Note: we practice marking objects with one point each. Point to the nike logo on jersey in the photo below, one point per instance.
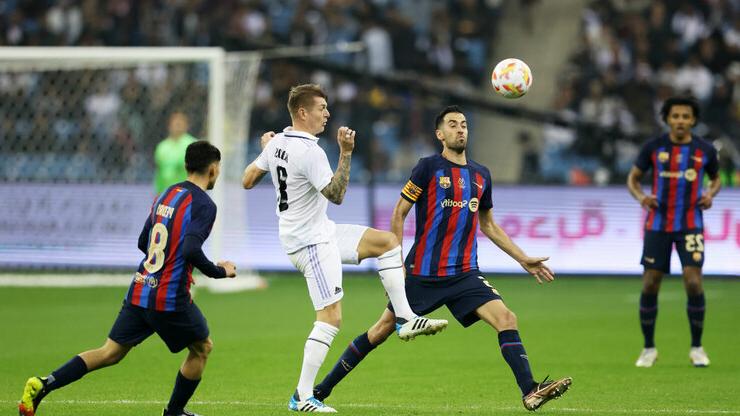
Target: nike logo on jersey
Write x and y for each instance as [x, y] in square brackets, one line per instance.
[479, 186]
[650, 259]
[337, 290]
[697, 159]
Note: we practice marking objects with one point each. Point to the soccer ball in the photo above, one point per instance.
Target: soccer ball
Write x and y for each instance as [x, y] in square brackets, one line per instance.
[511, 78]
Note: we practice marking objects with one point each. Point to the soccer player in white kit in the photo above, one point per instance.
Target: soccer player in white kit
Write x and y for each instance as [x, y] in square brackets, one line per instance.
[304, 183]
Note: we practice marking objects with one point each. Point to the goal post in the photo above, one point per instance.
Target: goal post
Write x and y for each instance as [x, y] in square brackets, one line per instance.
[52, 96]
[78, 128]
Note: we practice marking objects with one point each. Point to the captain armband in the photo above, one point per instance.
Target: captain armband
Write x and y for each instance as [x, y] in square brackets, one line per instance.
[411, 191]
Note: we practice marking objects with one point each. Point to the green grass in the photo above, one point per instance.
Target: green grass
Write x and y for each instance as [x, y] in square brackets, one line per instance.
[584, 328]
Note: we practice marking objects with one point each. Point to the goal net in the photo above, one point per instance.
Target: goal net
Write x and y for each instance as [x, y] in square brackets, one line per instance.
[78, 129]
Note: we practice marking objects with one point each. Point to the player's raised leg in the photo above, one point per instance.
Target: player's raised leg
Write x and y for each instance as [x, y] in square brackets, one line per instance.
[648, 313]
[385, 246]
[37, 388]
[503, 320]
[695, 307]
[356, 351]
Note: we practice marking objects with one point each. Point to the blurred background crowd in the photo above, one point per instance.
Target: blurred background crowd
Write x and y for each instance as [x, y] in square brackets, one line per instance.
[632, 55]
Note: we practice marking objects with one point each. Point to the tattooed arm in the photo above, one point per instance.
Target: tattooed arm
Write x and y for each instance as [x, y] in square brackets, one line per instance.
[336, 189]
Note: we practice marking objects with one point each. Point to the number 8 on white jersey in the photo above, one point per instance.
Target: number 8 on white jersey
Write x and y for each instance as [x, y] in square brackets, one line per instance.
[299, 169]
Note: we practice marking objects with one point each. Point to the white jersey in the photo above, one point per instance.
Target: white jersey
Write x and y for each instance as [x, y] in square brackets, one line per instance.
[299, 170]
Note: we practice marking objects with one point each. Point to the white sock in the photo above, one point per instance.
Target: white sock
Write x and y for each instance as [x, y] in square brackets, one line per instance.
[390, 268]
[317, 345]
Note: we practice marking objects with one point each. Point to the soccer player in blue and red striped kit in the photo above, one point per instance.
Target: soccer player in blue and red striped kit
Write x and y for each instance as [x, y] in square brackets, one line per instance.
[158, 299]
[452, 196]
[679, 160]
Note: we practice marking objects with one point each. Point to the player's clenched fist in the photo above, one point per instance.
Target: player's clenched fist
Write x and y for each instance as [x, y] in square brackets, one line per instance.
[229, 267]
[266, 138]
[346, 139]
[649, 201]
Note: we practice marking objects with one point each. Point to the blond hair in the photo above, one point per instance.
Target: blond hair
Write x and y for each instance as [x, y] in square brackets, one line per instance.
[302, 96]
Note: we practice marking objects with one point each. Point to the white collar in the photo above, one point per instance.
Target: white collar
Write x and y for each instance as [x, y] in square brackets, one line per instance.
[289, 132]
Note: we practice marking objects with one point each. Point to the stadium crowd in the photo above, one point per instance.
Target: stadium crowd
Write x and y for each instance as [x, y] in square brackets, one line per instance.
[448, 41]
[633, 55]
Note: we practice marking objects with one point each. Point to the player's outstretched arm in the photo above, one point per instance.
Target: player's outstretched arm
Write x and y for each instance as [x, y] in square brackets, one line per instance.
[252, 176]
[399, 217]
[633, 184]
[533, 265]
[193, 252]
[336, 189]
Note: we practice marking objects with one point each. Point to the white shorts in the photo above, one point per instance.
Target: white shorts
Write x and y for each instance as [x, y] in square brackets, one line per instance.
[321, 264]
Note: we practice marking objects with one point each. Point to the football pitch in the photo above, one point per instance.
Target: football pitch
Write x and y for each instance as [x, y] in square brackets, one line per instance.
[586, 328]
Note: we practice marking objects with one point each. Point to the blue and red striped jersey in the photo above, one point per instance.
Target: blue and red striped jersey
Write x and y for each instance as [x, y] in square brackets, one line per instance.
[163, 279]
[447, 198]
[678, 175]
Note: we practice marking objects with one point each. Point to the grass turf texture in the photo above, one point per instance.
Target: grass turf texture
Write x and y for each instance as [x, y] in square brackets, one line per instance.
[581, 327]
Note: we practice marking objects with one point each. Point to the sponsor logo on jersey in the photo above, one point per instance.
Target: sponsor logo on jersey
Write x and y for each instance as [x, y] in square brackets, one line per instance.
[444, 182]
[689, 174]
[663, 157]
[472, 205]
[451, 203]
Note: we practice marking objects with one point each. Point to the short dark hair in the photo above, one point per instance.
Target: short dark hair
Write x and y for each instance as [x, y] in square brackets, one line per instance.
[447, 110]
[679, 100]
[303, 95]
[199, 156]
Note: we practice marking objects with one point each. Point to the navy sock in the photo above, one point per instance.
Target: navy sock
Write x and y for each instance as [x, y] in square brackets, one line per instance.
[183, 391]
[695, 310]
[515, 355]
[648, 313]
[351, 357]
[70, 372]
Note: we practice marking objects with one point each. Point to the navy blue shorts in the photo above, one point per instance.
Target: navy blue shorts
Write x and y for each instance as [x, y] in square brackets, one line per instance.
[177, 329]
[658, 245]
[461, 294]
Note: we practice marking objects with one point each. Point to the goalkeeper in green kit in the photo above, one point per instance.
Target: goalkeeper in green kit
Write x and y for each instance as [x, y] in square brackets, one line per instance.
[169, 156]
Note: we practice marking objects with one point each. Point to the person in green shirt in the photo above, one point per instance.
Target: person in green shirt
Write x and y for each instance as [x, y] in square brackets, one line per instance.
[169, 156]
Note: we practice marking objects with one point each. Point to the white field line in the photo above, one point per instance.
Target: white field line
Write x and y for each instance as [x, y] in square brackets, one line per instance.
[62, 280]
[250, 404]
[245, 281]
